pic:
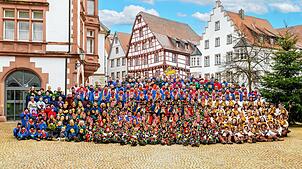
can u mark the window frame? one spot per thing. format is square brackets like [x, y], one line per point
[207, 61]
[217, 42]
[90, 38]
[229, 39]
[207, 44]
[217, 25]
[217, 59]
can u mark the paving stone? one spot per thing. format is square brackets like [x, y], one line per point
[32, 154]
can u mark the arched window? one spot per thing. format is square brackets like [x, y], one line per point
[17, 85]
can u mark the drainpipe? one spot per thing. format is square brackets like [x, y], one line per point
[69, 44]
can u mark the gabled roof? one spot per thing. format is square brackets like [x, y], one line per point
[249, 24]
[170, 33]
[124, 39]
[107, 45]
[296, 30]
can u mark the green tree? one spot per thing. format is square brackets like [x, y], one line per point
[284, 83]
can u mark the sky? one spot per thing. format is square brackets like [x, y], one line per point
[119, 15]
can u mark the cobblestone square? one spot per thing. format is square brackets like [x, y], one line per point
[32, 154]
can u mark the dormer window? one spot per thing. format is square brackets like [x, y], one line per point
[272, 41]
[187, 46]
[139, 20]
[177, 44]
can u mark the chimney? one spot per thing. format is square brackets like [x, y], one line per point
[241, 13]
[218, 3]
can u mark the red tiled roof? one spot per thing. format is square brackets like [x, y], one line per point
[296, 30]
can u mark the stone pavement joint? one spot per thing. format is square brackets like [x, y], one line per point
[45, 154]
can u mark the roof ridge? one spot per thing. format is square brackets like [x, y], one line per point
[248, 16]
[142, 12]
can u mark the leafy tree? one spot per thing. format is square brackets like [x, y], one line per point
[284, 83]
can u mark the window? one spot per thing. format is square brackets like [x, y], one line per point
[242, 54]
[261, 39]
[198, 63]
[131, 63]
[37, 14]
[117, 62]
[206, 44]
[229, 39]
[23, 27]
[23, 15]
[206, 61]
[193, 61]
[37, 32]
[217, 59]
[144, 45]
[116, 50]
[229, 57]
[118, 75]
[123, 74]
[90, 41]
[151, 43]
[229, 76]
[135, 48]
[187, 46]
[217, 42]
[90, 7]
[112, 76]
[217, 25]
[9, 30]
[218, 76]
[145, 60]
[174, 58]
[272, 41]
[178, 44]
[141, 33]
[156, 58]
[139, 20]
[9, 14]
[123, 61]
[112, 63]
[137, 62]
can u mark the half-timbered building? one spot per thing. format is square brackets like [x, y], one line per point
[158, 44]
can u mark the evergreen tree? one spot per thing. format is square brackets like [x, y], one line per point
[284, 84]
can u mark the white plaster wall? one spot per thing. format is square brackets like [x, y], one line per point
[121, 54]
[101, 53]
[5, 61]
[55, 67]
[57, 21]
[210, 34]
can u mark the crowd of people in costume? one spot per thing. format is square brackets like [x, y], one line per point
[160, 110]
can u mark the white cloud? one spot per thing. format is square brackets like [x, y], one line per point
[286, 7]
[201, 16]
[125, 17]
[255, 6]
[148, 1]
[181, 14]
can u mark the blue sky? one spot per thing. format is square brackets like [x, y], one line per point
[118, 15]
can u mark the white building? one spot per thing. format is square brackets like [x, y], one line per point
[45, 43]
[221, 43]
[117, 61]
[158, 44]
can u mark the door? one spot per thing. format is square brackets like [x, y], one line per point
[17, 85]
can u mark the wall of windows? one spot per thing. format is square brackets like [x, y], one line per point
[23, 25]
